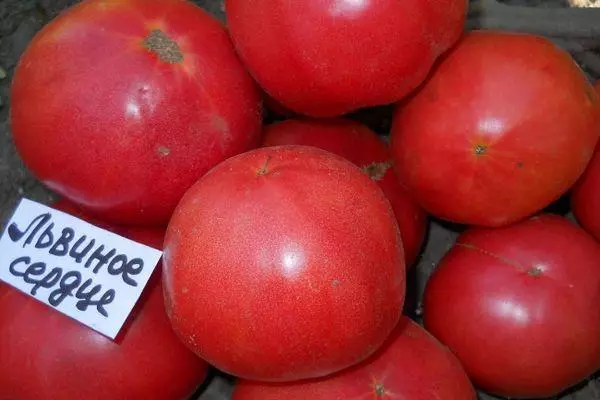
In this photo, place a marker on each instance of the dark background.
(21, 19)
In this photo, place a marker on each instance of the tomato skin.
(279, 255)
(358, 144)
(116, 129)
(474, 158)
(520, 332)
(297, 52)
(585, 196)
(434, 373)
(48, 355)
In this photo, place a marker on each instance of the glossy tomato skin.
(124, 130)
(358, 144)
(518, 305)
(284, 263)
(585, 196)
(505, 125)
(412, 364)
(327, 58)
(48, 355)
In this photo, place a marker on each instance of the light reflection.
(491, 126)
(292, 260)
(345, 7)
(132, 110)
(512, 310)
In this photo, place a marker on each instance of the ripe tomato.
(284, 263)
(46, 354)
(585, 196)
(411, 365)
(133, 101)
(505, 126)
(357, 143)
(518, 305)
(327, 58)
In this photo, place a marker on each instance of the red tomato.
(505, 126)
(357, 143)
(284, 263)
(327, 58)
(411, 365)
(519, 306)
(48, 355)
(122, 105)
(585, 197)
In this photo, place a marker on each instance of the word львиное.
(79, 248)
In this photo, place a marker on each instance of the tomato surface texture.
(360, 145)
(505, 125)
(518, 305)
(412, 364)
(284, 263)
(121, 105)
(325, 58)
(47, 355)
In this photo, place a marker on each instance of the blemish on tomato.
(163, 46)
(377, 170)
(163, 151)
(534, 271)
(520, 165)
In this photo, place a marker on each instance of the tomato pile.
(287, 242)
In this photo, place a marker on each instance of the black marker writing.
(77, 253)
(61, 246)
(42, 233)
(39, 276)
(15, 234)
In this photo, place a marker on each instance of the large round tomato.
(357, 143)
(518, 305)
(585, 197)
(122, 105)
(47, 355)
(327, 58)
(505, 126)
(284, 263)
(410, 365)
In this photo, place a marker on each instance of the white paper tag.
(85, 272)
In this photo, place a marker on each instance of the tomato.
(328, 58)
(411, 365)
(585, 196)
(518, 305)
(505, 125)
(46, 354)
(284, 263)
(357, 143)
(121, 105)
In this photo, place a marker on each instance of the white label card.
(92, 275)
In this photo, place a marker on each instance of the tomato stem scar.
(379, 390)
(265, 167)
(480, 149)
